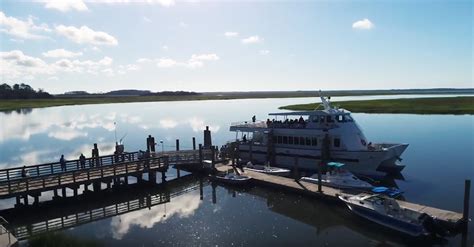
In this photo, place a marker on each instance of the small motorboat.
(339, 177)
(232, 178)
(267, 169)
(386, 211)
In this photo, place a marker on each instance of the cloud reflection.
(198, 124)
(183, 206)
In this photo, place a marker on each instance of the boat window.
(301, 140)
(340, 118)
(314, 119)
(321, 119)
(337, 142)
(297, 141)
(329, 119)
(314, 141)
(285, 140)
(308, 141)
(290, 140)
(279, 140)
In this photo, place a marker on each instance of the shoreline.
(460, 105)
(19, 104)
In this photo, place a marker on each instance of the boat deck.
(449, 218)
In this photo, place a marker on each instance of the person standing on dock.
(62, 161)
(254, 118)
(82, 161)
(24, 173)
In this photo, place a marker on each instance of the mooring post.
(214, 194)
(207, 138)
(467, 192)
(194, 143)
(212, 157)
(200, 154)
(177, 144)
(296, 169)
(201, 189)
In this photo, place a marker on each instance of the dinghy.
(232, 178)
(267, 169)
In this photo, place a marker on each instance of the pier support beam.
(152, 177)
(194, 143)
(214, 194)
(63, 194)
(18, 201)
(296, 172)
(178, 173)
(163, 177)
(200, 155)
(177, 144)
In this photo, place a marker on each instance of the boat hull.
(414, 230)
(335, 185)
(359, 162)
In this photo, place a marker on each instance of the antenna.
(115, 130)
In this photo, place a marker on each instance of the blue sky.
(236, 45)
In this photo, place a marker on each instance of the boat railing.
(247, 124)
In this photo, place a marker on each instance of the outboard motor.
(432, 225)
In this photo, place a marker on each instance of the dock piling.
(467, 192)
(177, 144)
(207, 138)
(194, 143)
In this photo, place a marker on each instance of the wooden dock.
(32, 180)
(450, 219)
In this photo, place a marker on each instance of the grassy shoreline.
(16, 104)
(440, 105)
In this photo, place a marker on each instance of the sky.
(157, 45)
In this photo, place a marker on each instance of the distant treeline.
(22, 91)
(131, 92)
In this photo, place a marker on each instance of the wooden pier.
(449, 219)
(21, 182)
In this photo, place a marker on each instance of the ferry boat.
(287, 135)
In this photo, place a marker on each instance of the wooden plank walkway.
(52, 175)
(449, 218)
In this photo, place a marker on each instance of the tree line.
(22, 91)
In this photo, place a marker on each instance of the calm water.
(439, 158)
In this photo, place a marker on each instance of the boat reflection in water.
(192, 210)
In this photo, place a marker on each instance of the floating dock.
(448, 218)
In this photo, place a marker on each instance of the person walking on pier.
(82, 161)
(24, 173)
(62, 161)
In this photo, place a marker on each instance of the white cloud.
(252, 40)
(165, 48)
(22, 29)
(205, 57)
(146, 19)
(168, 123)
(61, 53)
(231, 34)
(65, 5)
(144, 60)
(66, 134)
(264, 52)
(198, 125)
(15, 64)
(166, 63)
(364, 24)
(183, 25)
(85, 35)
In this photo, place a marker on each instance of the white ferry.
(287, 135)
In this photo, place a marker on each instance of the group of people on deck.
(288, 123)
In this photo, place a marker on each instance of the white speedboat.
(386, 211)
(267, 169)
(285, 136)
(232, 178)
(338, 177)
